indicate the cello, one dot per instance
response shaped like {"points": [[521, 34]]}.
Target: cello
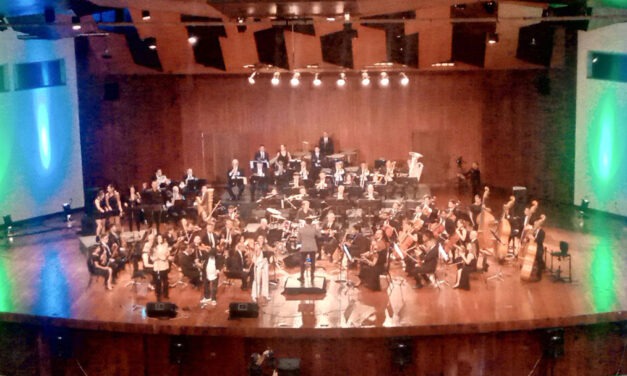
{"points": [[485, 220], [503, 231], [531, 249]]}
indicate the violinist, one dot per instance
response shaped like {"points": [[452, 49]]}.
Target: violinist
{"points": [[230, 235], [187, 261], [373, 262], [100, 259], [429, 258]]}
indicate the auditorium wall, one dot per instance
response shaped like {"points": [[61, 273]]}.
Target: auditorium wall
{"points": [[519, 125]]}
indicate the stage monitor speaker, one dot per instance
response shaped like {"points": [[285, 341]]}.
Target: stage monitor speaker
{"points": [[520, 193], [243, 310], [162, 310], [288, 366]]}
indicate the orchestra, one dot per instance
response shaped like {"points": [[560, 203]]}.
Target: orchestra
{"points": [[340, 213]]}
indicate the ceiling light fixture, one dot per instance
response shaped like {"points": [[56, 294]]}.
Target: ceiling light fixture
{"points": [[493, 38], [151, 43], [192, 40], [295, 81], [276, 78], [384, 80], [316, 80], [76, 23], [365, 79], [145, 15], [342, 80], [404, 79]]}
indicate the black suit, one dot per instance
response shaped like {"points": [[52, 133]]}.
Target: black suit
{"points": [[316, 165], [259, 179], [429, 264], [235, 179], [261, 158], [189, 269], [236, 265], [539, 239], [326, 148]]}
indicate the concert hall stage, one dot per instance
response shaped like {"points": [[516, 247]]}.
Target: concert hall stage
{"points": [[44, 284]]}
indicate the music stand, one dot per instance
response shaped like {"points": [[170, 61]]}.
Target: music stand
{"points": [[349, 258], [339, 206], [369, 207]]}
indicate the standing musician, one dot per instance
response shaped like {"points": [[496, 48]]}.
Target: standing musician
{"points": [[326, 144], [133, 209], [230, 235], [209, 238], [283, 156], [475, 209], [202, 201], [307, 235], [259, 179], [161, 266], [538, 236], [260, 266], [153, 204], [100, 214], [474, 176], [113, 205], [373, 262], [330, 233], [429, 258], [211, 262], [235, 178]]}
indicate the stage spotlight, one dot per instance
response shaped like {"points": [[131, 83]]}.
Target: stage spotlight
{"points": [[145, 15], [365, 79], [276, 78], [342, 80], [404, 79], [76, 23], [251, 78], [316, 80], [493, 38], [192, 40], [295, 81], [151, 42], [384, 80]]}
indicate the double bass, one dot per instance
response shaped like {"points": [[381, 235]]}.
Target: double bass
{"points": [[529, 212], [485, 220], [503, 231], [531, 249]]}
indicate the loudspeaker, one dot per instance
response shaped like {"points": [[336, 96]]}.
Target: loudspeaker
{"points": [[111, 91], [163, 310], [520, 193], [243, 310]]}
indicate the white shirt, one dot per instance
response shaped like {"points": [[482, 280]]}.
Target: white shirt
{"points": [[212, 272]]}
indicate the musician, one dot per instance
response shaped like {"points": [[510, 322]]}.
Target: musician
{"points": [[211, 262], [153, 201], [363, 174], [187, 260], [235, 178], [370, 193], [237, 264], [407, 239], [475, 209], [474, 176], [338, 173], [359, 244], [175, 205], [295, 184], [281, 176], [189, 177], [161, 179], [538, 236], [113, 205], [316, 161], [304, 212], [230, 235], [133, 209], [307, 235], [259, 179], [161, 267], [261, 265], [466, 261], [339, 195], [373, 262], [283, 156], [429, 259], [100, 258], [262, 156], [330, 233], [209, 238], [100, 213], [147, 249], [414, 166], [202, 201], [305, 174], [326, 144], [263, 228]]}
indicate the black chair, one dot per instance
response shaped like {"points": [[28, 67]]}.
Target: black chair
{"points": [[562, 255]]}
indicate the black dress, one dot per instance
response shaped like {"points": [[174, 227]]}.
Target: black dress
{"points": [[464, 278], [369, 275]]}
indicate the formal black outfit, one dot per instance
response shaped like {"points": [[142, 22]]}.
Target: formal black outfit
{"points": [[235, 178], [134, 213], [474, 175], [328, 241], [369, 274], [259, 180], [429, 264], [210, 287], [326, 146], [359, 245], [539, 261], [236, 267], [316, 164], [153, 206], [186, 261], [262, 157], [466, 269]]}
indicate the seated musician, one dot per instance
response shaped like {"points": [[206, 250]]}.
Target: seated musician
{"points": [[304, 212], [323, 185], [281, 176], [100, 259], [358, 243], [329, 236], [339, 195], [466, 261], [262, 156], [338, 173], [235, 178], [117, 249], [161, 179], [259, 179], [283, 156], [189, 177], [407, 242], [296, 182], [370, 193], [188, 261], [373, 262], [429, 258], [363, 174], [237, 264], [305, 174], [176, 204]]}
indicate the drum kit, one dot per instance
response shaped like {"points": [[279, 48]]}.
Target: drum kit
{"points": [[289, 229]]}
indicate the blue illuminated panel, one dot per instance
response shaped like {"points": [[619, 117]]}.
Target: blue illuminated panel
{"points": [[39, 74]]}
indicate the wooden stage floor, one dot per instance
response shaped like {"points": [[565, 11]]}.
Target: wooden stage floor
{"points": [[43, 279]]}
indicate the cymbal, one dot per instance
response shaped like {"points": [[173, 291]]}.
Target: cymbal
{"points": [[278, 216], [273, 211]]}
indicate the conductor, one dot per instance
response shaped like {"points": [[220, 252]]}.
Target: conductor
{"points": [[307, 236]]}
